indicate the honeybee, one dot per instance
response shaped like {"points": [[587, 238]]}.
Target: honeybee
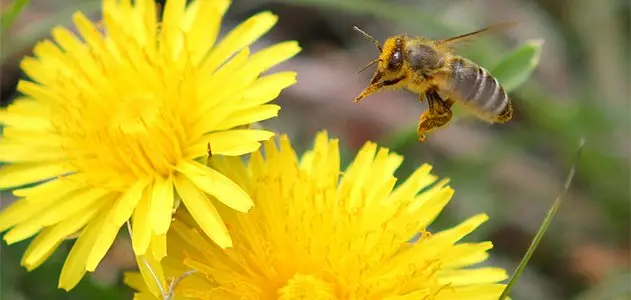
{"points": [[431, 69]]}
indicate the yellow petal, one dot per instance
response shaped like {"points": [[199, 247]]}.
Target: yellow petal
{"points": [[135, 281], [24, 121], [72, 204], [24, 153], [248, 116], [431, 202], [476, 292], [148, 20], [202, 21], [40, 249], [203, 211], [268, 88], [159, 247], [38, 199], [117, 216], [142, 224], [221, 84], [171, 24], [44, 191], [269, 57], [49, 239], [21, 174], [153, 274], [41, 115], [22, 231], [74, 267], [162, 204], [217, 185], [241, 36], [229, 142], [32, 138], [467, 254], [458, 278], [66, 39], [408, 189], [28, 107], [454, 234]]}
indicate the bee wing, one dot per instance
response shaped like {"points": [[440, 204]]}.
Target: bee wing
{"points": [[463, 38], [462, 114]]}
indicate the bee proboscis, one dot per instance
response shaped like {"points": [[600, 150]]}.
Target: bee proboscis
{"points": [[431, 69]]}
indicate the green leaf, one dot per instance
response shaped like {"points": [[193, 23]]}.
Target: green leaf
{"points": [[516, 67], [9, 14], [544, 226]]}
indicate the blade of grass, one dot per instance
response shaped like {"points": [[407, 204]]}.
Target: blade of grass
{"points": [[544, 225], [9, 14]]}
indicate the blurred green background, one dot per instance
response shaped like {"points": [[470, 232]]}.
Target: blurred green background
{"points": [[512, 172]]}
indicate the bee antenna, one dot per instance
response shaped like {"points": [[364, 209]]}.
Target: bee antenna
{"points": [[370, 38], [368, 65]]}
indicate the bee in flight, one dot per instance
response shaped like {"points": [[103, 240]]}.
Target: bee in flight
{"points": [[430, 69]]}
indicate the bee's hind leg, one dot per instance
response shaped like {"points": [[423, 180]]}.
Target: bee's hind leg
{"points": [[437, 115]]}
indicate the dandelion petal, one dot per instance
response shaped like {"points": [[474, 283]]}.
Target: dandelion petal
{"points": [[141, 225], [49, 239], [231, 142], [218, 185], [162, 204], [75, 266], [203, 211], [21, 174], [117, 216]]}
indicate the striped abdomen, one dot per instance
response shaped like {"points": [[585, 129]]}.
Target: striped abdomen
{"points": [[473, 86]]}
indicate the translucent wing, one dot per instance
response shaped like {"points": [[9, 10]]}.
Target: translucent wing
{"points": [[456, 40], [464, 115]]}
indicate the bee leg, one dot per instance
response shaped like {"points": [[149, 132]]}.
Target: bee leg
{"points": [[437, 115]]}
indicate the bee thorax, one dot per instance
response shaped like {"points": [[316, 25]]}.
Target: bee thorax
{"points": [[424, 58]]}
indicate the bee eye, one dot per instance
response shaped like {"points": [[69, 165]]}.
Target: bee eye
{"points": [[395, 61]]}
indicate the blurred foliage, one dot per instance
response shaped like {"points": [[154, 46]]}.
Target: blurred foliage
{"points": [[591, 38], [9, 14]]}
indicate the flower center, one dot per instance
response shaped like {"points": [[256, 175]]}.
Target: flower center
{"points": [[135, 137], [133, 113], [306, 287]]}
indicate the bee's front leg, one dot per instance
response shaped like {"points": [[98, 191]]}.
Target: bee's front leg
{"points": [[437, 115]]}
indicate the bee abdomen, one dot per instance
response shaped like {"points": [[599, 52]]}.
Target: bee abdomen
{"points": [[474, 87]]}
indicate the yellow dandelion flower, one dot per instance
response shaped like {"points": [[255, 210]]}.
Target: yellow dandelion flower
{"points": [[111, 124], [315, 233]]}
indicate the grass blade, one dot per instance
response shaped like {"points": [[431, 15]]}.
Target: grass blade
{"points": [[9, 14], [544, 225]]}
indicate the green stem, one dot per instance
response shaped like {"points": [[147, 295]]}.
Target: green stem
{"points": [[544, 226]]}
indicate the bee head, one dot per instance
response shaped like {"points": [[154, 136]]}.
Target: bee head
{"points": [[391, 57], [390, 63]]}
